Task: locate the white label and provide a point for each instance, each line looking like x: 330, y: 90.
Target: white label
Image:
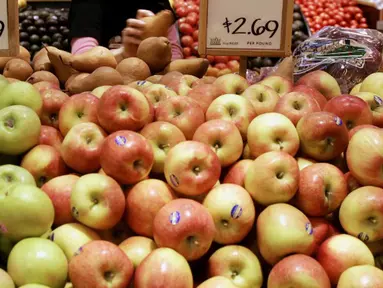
x: 4, y: 25
x: 244, y: 24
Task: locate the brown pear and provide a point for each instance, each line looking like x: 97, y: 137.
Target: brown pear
x: 169, y: 77
x: 77, y: 76
x: 285, y: 69
x: 99, y: 77
x: 92, y: 59
x: 193, y: 66
x: 23, y: 54
x: 40, y: 76
x: 156, y: 26
x: 133, y: 69
x: 18, y: 69
x: 156, y: 52
x: 155, y: 79
x: 41, y: 61
x: 59, y: 60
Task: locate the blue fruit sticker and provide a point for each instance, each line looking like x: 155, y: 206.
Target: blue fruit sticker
x: 236, y: 211
x: 52, y: 237
x: 78, y: 252
x: 120, y: 140
x: 174, y: 180
x: 175, y: 218
x: 338, y: 121
x: 309, y: 228
x: 378, y: 100
x: 141, y: 83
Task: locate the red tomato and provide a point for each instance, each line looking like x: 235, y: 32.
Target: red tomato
x: 192, y: 8
x: 195, y: 35
x: 210, y: 58
x: 221, y: 59
x: 186, y: 29
x: 343, y: 24
x: 347, y: 16
x: 338, y: 19
x: 187, y: 51
x: 195, y: 48
x: 220, y: 66
x: 358, y: 16
x: 331, y: 22
x: 181, y: 20
x: 325, y: 23
x: 363, y: 25
x: 181, y: 12
x: 187, y: 41
x: 317, y: 26
x: 192, y: 20
x: 363, y: 20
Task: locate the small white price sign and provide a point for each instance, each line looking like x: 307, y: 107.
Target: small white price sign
x: 9, y: 28
x: 246, y: 27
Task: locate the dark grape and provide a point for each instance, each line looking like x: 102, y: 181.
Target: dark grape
x: 267, y: 62
x: 66, y: 32
x: 297, y: 16
x: 57, y: 45
x: 52, y: 30
x: 297, y: 8
x: 300, y: 24
x: 257, y: 62
x: 65, y: 44
x: 42, y: 30
x: 26, y: 23
x: 30, y: 17
x: 57, y: 37
x: 44, y: 14
x: 34, y: 39
x: 35, y: 48
x: 39, y: 22
x: 46, y: 39
x: 24, y: 36
x: 22, y: 16
x: 32, y: 30
x: 25, y: 44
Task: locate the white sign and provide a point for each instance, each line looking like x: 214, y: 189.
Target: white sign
x: 4, y: 44
x: 244, y: 24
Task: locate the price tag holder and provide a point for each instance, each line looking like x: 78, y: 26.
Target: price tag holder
x: 246, y: 27
x: 9, y: 28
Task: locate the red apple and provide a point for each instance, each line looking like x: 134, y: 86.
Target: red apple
x: 365, y: 156
x: 183, y: 112
x: 272, y: 178
x: 233, y: 108
x: 204, y: 94
x: 45, y: 85
x: 192, y: 168
x: 359, y: 127
x: 137, y: 248
x: 81, y: 147
x: 231, y: 83
x: 361, y: 276
x: 44, y: 163
x: 279, y: 84
x: 323, y: 230
x: 352, y: 183
x: 340, y: 252
x: 298, y: 271
x: 221, y: 59
x: 53, y: 99
x: 182, y: 85
x: 353, y: 110
x: 295, y: 105
x: 238, y: 264
x: 157, y: 93
x: 185, y: 226
x: 217, y: 281
x: 170, y: 77
x: 263, y: 98
x: 124, y: 108
x: 282, y: 230
x: 237, y: 172
x: 224, y: 139
x: 100, y: 264
x: 323, y: 135
x: 126, y: 156
x: 311, y: 92
x: 162, y: 136
x: 163, y: 267
x: 375, y: 103
x: 187, y: 40
x: 272, y: 132
x: 143, y: 201
x: 233, y: 212
x: 233, y: 65
x: 79, y: 108
x: 322, y: 188
x: 321, y: 81
x: 50, y: 136
x: 59, y: 190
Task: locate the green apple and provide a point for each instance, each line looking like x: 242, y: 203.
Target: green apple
x: 6, y: 280
x: 21, y: 93
x: 19, y: 129
x: 34, y: 286
x: 25, y: 211
x: 11, y: 174
x: 70, y: 237
x: 3, y: 82
x: 38, y: 261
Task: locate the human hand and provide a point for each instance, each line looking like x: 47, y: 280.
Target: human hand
x: 135, y: 27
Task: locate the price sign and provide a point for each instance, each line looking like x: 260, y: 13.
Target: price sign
x: 9, y: 28
x: 246, y: 27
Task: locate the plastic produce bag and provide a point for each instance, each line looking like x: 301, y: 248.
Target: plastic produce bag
x: 349, y: 55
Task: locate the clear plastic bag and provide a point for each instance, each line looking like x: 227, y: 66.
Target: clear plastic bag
x: 349, y: 55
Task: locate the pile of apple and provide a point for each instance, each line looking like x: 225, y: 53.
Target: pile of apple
x: 188, y: 11
x: 192, y: 182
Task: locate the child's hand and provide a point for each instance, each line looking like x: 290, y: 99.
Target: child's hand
x: 135, y: 27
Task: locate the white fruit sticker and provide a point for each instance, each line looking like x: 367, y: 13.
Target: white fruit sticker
x: 363, y: 236
x: 236, y: 211
x: 120, y: 140
x: 309, y: 228
x: 175, y: 217
x: 174, y: 180
x: 378, y: 100
x: 338, y: 121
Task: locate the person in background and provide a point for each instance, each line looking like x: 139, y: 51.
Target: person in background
x: 102, y: 22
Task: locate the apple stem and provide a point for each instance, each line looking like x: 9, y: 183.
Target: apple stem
x: 10, y: 123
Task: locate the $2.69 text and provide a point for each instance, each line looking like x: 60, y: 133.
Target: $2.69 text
x: 271, y: 26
